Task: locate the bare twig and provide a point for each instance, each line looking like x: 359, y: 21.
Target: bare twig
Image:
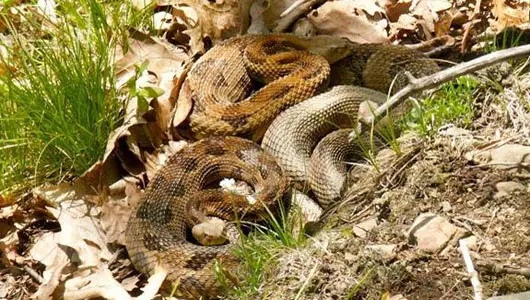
x: 33, y: 274
x: 443, y: 76
x: 292, y: 14
x: 475, y: 282
x: 292, y: 7
x: 498, y: 268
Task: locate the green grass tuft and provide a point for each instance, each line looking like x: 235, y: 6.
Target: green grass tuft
x: 60, y: 102
x: 258, y: 251
x: 452, y: 103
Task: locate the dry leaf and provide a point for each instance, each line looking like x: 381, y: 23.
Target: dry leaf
x: 81, y: 239
x: 146, y: 118
x: 116, y: 211
x: 515, y: 13
x: 100, y: 283
x: 421, y: 9
x: 394, y: 9
x: 272, y: 11
x: 217, y: 20
x: 439, y: 5
x: 349, y: 19
x: 443, y: 25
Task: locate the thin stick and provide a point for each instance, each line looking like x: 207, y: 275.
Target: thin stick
x: 33, y: 274
x: 498, y: 268
x: 475, y: 282
x: 306, y: 282
x: 295, y: 12
x: 443, y: 76
x: 291, y: 8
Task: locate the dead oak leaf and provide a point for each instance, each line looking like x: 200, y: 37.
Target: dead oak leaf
x: 510, y: 13
x: 349, y: 19
x: 216, y: 20
x: 81, y: 239
x: 395, y: 9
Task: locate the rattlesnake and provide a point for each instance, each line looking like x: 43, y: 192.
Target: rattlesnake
x: 218, y: 85
x: 157, y: 230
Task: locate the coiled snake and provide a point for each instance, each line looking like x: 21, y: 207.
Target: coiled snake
x: 180, y: 196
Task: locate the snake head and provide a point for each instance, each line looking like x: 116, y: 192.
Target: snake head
x: 210, y: 232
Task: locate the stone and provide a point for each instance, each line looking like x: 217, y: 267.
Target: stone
x: 386, y: 251
x: 398, y: 297
x: 349, y: 257
x: 361, y: 229
x: 432, y: 233
x: 518, y: 296
x: 503, y: 157
x: 446, y: 206
x: 506, y: 188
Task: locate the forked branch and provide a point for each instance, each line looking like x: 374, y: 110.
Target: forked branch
x: 436, y: 79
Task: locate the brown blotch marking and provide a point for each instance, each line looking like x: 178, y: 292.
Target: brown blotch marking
x: 264, y: 172
x: 291, y: 45
x: 216, y: 150
x: 202, y: 68
x: 287, y: 60
x: 200, y: 260
x: 151, y: 242
x: 281, y: 93
x: 165, y: 216
x: 143, y: 210
x: 188, y: 163
x: 311, y: 75
x: 159, y: 181
x: 214, y: 140
x: 220, y: 82
x: 191, y: 282
x: 140, y: 259
x: 236, y: 121
x: 255, y: 59
x: 176, y: 190
x: 237, y: 173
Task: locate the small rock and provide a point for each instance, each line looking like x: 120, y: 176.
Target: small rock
x: 471, y: 242
x: 361, y: 229
x: 503, y: 157
x: 349, y: 257
x: 432, y: 233
x: 506, y: 188
x: 386, y: 251
x: 398, y: 297
x: 446, y: 206
x: 518, y: 296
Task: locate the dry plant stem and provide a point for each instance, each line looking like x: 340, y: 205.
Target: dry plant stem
x: 33, y: 274
x: 497, y: 268
x: 291, y: 8
x: 475, y: 282
x: 294, y: 14
x: 446, y: 75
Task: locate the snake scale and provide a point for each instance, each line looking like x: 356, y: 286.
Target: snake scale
x: 238, y: 88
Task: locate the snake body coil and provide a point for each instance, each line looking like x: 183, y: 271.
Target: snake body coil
x: 219, y: 84
x: 157, y: 230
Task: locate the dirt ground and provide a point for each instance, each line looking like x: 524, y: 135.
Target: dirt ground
x: 449, y: 176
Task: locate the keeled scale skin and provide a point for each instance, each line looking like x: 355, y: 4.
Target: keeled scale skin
x: 309, y: 139
x: 156, y: 232
x: 218, y: 84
